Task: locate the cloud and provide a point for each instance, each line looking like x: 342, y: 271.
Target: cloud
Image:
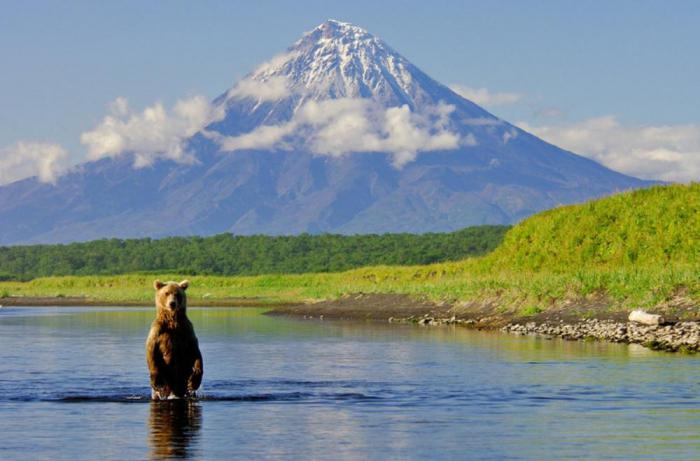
x: 270, y: 89
x: 508, y: 135
x: 339, y: 126
x: 23, y: 159
x: 667, y: 152
x: 484, y: 97
x: 153, y: 133
x: 272, y: 65
x: 264, y: 137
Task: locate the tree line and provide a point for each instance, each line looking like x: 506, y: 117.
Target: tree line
x: 228, y: 254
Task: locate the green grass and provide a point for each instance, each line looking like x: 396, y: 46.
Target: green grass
x: 638, y: 249
x: 519, y: 292
x: 658, y: 226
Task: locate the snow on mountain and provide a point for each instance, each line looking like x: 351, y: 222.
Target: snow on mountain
x: 341, y: 90
x: 339, y: 60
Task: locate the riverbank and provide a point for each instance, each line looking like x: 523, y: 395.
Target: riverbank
x: 676, y: 337
x: 474, y: 283
x: 612, y: 326
x: 472, y: 289
x: 587, y: 319
x: 79, y: 301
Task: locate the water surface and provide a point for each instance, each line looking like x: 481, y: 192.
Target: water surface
x: 74, y: 385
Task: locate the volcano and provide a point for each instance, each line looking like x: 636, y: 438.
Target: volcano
x: 337, y: 134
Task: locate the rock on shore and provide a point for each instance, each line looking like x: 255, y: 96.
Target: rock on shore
x: 678, y: 337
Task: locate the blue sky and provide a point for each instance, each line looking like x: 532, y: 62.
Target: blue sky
x: 568, y: 62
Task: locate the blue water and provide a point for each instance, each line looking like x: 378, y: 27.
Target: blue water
x: 74, y: 385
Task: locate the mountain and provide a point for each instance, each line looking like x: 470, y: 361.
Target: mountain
x: 340, y: 134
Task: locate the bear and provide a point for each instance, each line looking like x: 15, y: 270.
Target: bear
x: 172, y: 349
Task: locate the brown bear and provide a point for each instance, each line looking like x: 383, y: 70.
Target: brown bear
x: 172, y: 349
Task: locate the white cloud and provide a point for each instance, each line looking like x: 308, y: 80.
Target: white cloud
x: 119, y: 107
x: 264, y: 137
x: 270, y: 89
x: 508, y: 135
x: 484, y: 97
x: 339, y: 126
x: 150, y: 134
x: 274, y: 64
x: 469, y: 140
x: 667, y: 152
x: 23, y: 159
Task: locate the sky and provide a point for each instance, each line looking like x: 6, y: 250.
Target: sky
x: 615, y: 81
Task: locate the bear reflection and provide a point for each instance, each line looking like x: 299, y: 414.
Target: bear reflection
x: 174, y: 426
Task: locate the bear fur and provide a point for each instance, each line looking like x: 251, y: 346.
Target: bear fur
x: 172, y: 350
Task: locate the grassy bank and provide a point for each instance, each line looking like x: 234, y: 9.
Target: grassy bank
x: 521, y: 292
x: 638, y: 249
x: 526, y: 292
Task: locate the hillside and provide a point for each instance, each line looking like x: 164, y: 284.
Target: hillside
x: 659, y: 226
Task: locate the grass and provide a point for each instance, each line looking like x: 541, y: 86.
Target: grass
x: 638, y: 249
x: 525, y: 292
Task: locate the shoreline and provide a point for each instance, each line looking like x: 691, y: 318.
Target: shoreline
x: 612, y: 326
x: 681, y: 337
x: 675, y: 335
x: 77, y: 301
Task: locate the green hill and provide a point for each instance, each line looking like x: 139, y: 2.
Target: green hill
x: 659, y: 226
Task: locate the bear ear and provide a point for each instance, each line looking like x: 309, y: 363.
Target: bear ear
x: 184, y: 284
x: 158, y: 284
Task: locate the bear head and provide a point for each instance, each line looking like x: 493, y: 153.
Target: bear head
x: 171, y: 297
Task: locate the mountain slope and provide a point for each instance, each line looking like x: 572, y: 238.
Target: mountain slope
x: 338, y: 134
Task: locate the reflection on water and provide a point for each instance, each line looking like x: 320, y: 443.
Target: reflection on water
x: 174, y: 426
x: 277, y: 388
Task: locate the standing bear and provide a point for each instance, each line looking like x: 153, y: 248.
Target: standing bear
x: 172, y: 349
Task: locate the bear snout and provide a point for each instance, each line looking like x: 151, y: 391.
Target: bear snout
x: 172, y: 304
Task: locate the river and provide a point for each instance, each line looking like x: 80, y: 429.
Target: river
x: 74, y: 385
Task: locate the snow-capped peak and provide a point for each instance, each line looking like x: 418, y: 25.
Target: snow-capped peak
x: 338, y: 60
x: 333, y: 27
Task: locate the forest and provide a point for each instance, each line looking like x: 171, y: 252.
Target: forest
x: 228, y: 254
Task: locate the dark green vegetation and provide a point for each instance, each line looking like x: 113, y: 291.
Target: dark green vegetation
x: 226, y: 254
